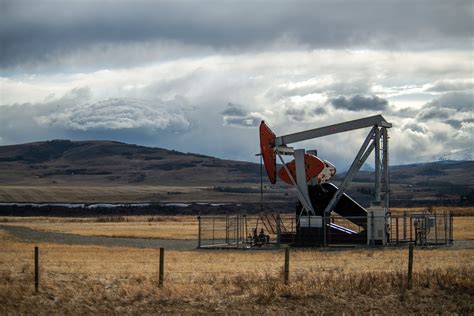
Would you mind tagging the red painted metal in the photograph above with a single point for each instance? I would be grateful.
(313, 167)
(267, 143)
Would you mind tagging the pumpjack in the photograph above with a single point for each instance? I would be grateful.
(318, 198)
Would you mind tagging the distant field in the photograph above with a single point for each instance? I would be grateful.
(99, 280)
(71, 194)
(135, 193)
(164, 227)
(456, 211)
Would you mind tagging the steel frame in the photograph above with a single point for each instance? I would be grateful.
(376, 139)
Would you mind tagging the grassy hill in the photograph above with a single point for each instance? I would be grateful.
(106, 171)
(64, 162)
(432, 183)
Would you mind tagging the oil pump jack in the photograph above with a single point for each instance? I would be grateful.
(318, 198)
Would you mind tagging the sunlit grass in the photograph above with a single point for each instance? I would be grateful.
(92, 279)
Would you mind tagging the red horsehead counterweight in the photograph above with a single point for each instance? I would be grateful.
(317, 170)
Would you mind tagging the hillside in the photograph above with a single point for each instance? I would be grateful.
(432, 183)
(106, 171)
(64, 162)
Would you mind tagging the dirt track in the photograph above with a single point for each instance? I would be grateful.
(41, 236)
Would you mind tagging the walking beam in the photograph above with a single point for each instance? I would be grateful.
(376, 120)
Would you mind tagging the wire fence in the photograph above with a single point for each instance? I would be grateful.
(49, 267)
(241, 231)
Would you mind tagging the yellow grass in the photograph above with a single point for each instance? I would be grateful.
(161, 227)
(90, 279)
(454, 210)
(463, 228)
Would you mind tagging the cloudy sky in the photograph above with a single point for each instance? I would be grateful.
(198, 76)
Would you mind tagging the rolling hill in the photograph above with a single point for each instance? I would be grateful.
(107, 171)
(64, 162)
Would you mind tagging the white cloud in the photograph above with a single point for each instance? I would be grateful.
(181, 103)
(114, 114)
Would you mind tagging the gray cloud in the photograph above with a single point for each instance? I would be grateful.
(236, 115)
(76, 115)
(319, 111)
(247, 121)
(359, 103)
(415, 127)
(446, 106)
(430, 113)
(443, 127)
(451, 86)
(457, 124)
(296, 114)
(455, 101)
(34, 32)
(234, 110)
(114, 114)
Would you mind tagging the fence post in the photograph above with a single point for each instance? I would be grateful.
(278, 231)
(162, 266)
(450, 228)
(227, 229)
(213, 229)
(287, 265)
(199, 231)
(245, 230)
(323, 230)
(445, 227)
(410, 265)
(372, 228)
(37, 276)
(396, 228)
(404, 225)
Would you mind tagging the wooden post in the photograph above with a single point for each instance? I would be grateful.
(404, 225)
(278, 231)
(450, 228)
(287, 265)
(37, 276)
(372, 228)
(245, 232)
(227, 229)
(436, 228)
(410, 265)
(199, 231)
(396, 228)
(238, 230)
(445, 227)
(323, 230)
(162, 266)
(213, 230)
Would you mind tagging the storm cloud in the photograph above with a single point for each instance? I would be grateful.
(34, 32)
(76, 113)
(448, 106)
(359, 102)
(199, 76)
(235, 115)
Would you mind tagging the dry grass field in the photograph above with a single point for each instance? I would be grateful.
(456, 211)
(162, 227)
(183, 227)
(237, 193)
(97, 280)
(95, 194)
(100, 280)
